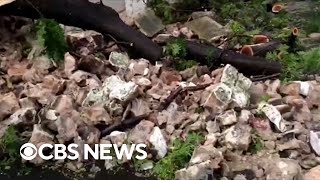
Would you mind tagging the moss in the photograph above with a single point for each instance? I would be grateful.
(51, 36)
(178, 157)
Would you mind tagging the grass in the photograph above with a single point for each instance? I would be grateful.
(178, 157)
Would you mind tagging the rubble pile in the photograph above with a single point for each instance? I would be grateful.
(253, 130)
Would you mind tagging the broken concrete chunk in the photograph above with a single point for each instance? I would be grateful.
(39, 137)
(97, 114)
(158, 141)
(273, 115)
(139, 107)
(8, 105)
(70, 64)
(204, 153)
(315, 141)
(228, 117)
(200, 14)
(206, 28)
(141, 132)
(312, 174)
(84, 42)
(119, 89)
(118, 137)
(148, 23)
(118, 5)
(238, 137)
(223, 93)
(139, 67)
(120, 60)
(135, 8)
(67, 126)
(291, 89)
(201, 171)
(285, 169)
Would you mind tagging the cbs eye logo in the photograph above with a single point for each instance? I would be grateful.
(28, 151)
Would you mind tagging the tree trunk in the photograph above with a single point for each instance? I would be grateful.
(86, 15)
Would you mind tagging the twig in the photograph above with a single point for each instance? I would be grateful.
(123, 124)
(170, 98)
(179, 90)
(265, 77)
(120, 42)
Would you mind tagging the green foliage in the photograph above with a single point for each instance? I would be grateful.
(162, 9)
(179, 11)
(237, 28)
(256, 144)
(199, 110)
(51, 36)
(250, 15)
(10, 150)
(265, 98)
(10, 145)
(177, 48)
(296, 64)
(178, 157)
(181, 65)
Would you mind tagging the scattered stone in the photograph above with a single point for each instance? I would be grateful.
(228, 117)
(97, 114)
(118, 137)
(158, 141)
(84, 42)
(206, 28)
(315, 141)
(149, 23)
(39, 137)
(238, 137)
(119, 60)
(8, 105)
(199, 171)
(119, 89)
(200, 14)
(141, 132)
(292, 89)
(70, 64)
(283, 169)
(273, 115)
(244, 116)
(312, 174)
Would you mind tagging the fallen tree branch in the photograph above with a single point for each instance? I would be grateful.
(248, 65)
(86, 15)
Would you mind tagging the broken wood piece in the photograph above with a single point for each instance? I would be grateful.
(96, 17)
